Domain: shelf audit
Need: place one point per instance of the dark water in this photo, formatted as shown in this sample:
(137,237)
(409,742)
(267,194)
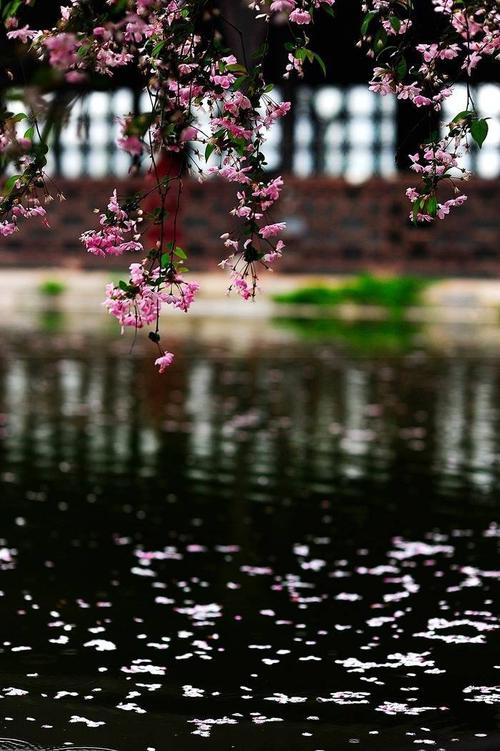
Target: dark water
(286,542)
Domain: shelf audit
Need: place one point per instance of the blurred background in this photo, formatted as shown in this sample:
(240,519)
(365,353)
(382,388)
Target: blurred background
(302,513)
(343,149)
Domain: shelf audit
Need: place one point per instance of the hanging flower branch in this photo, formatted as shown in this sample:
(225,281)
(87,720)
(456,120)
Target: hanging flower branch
(176,47)
(424,73)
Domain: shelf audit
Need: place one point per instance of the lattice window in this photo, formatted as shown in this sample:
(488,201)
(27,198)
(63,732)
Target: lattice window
(347,132)
(87,143)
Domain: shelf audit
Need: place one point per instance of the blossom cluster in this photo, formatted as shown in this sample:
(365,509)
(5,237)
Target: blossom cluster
(24,193)
(422,73)
(211,112)
(138,302)
(186,75)
(118,232)
(22,210)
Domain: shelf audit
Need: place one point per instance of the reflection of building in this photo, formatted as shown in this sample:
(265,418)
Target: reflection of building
(338,131)
(249,424)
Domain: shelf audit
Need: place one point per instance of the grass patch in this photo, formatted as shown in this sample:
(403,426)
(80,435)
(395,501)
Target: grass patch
(392,293)
(52,288)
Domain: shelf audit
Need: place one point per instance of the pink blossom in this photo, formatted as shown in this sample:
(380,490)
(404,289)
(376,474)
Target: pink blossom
(62,50)
(270,192)
(185,296)
(278,6)
(274,112)
(135,29)
(237,102)
(422,101)
(274,255)
(144,5)
(101,32)
(300,16)
(24,34)
(408,91)
(232,174)
(270,230)
(108,241)
(412,194)
(136,273)
(382,82)
(165,361)
(75,76)
(224,80)
(189,134)
(135,309)
(7,228)
(294,65)
(115,209)
(444,208)
(28,211)
(242,287)
(236,130)
(131,144)
(107,58)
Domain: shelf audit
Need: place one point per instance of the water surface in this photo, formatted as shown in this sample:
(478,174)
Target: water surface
(289,541)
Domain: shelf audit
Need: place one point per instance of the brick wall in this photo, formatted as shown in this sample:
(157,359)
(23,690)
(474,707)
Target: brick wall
(332,227)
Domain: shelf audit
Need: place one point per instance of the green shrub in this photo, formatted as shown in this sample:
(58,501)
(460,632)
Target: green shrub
(52,288)
(389,292)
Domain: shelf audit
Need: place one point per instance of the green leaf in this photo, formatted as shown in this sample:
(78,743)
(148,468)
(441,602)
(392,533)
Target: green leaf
(30,133)
(320,62)
(11,8)
(165,260)
(119,6)
(236,68)
(395,23)
(123,285)
(417,205)
(380,40)
(209,151)
(366,22)
(262,50)
(462,116)
(180,253)
(9,183)
(158,48)
(239,83)
(431,206)
(401,69)
(479,131)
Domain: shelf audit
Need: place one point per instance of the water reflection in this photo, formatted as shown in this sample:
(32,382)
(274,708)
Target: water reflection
(307,413)
(279,543)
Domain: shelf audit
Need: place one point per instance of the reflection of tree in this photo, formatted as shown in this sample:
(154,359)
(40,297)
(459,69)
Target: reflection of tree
(370,337)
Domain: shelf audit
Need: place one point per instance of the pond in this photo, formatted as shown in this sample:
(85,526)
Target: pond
(289,541)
